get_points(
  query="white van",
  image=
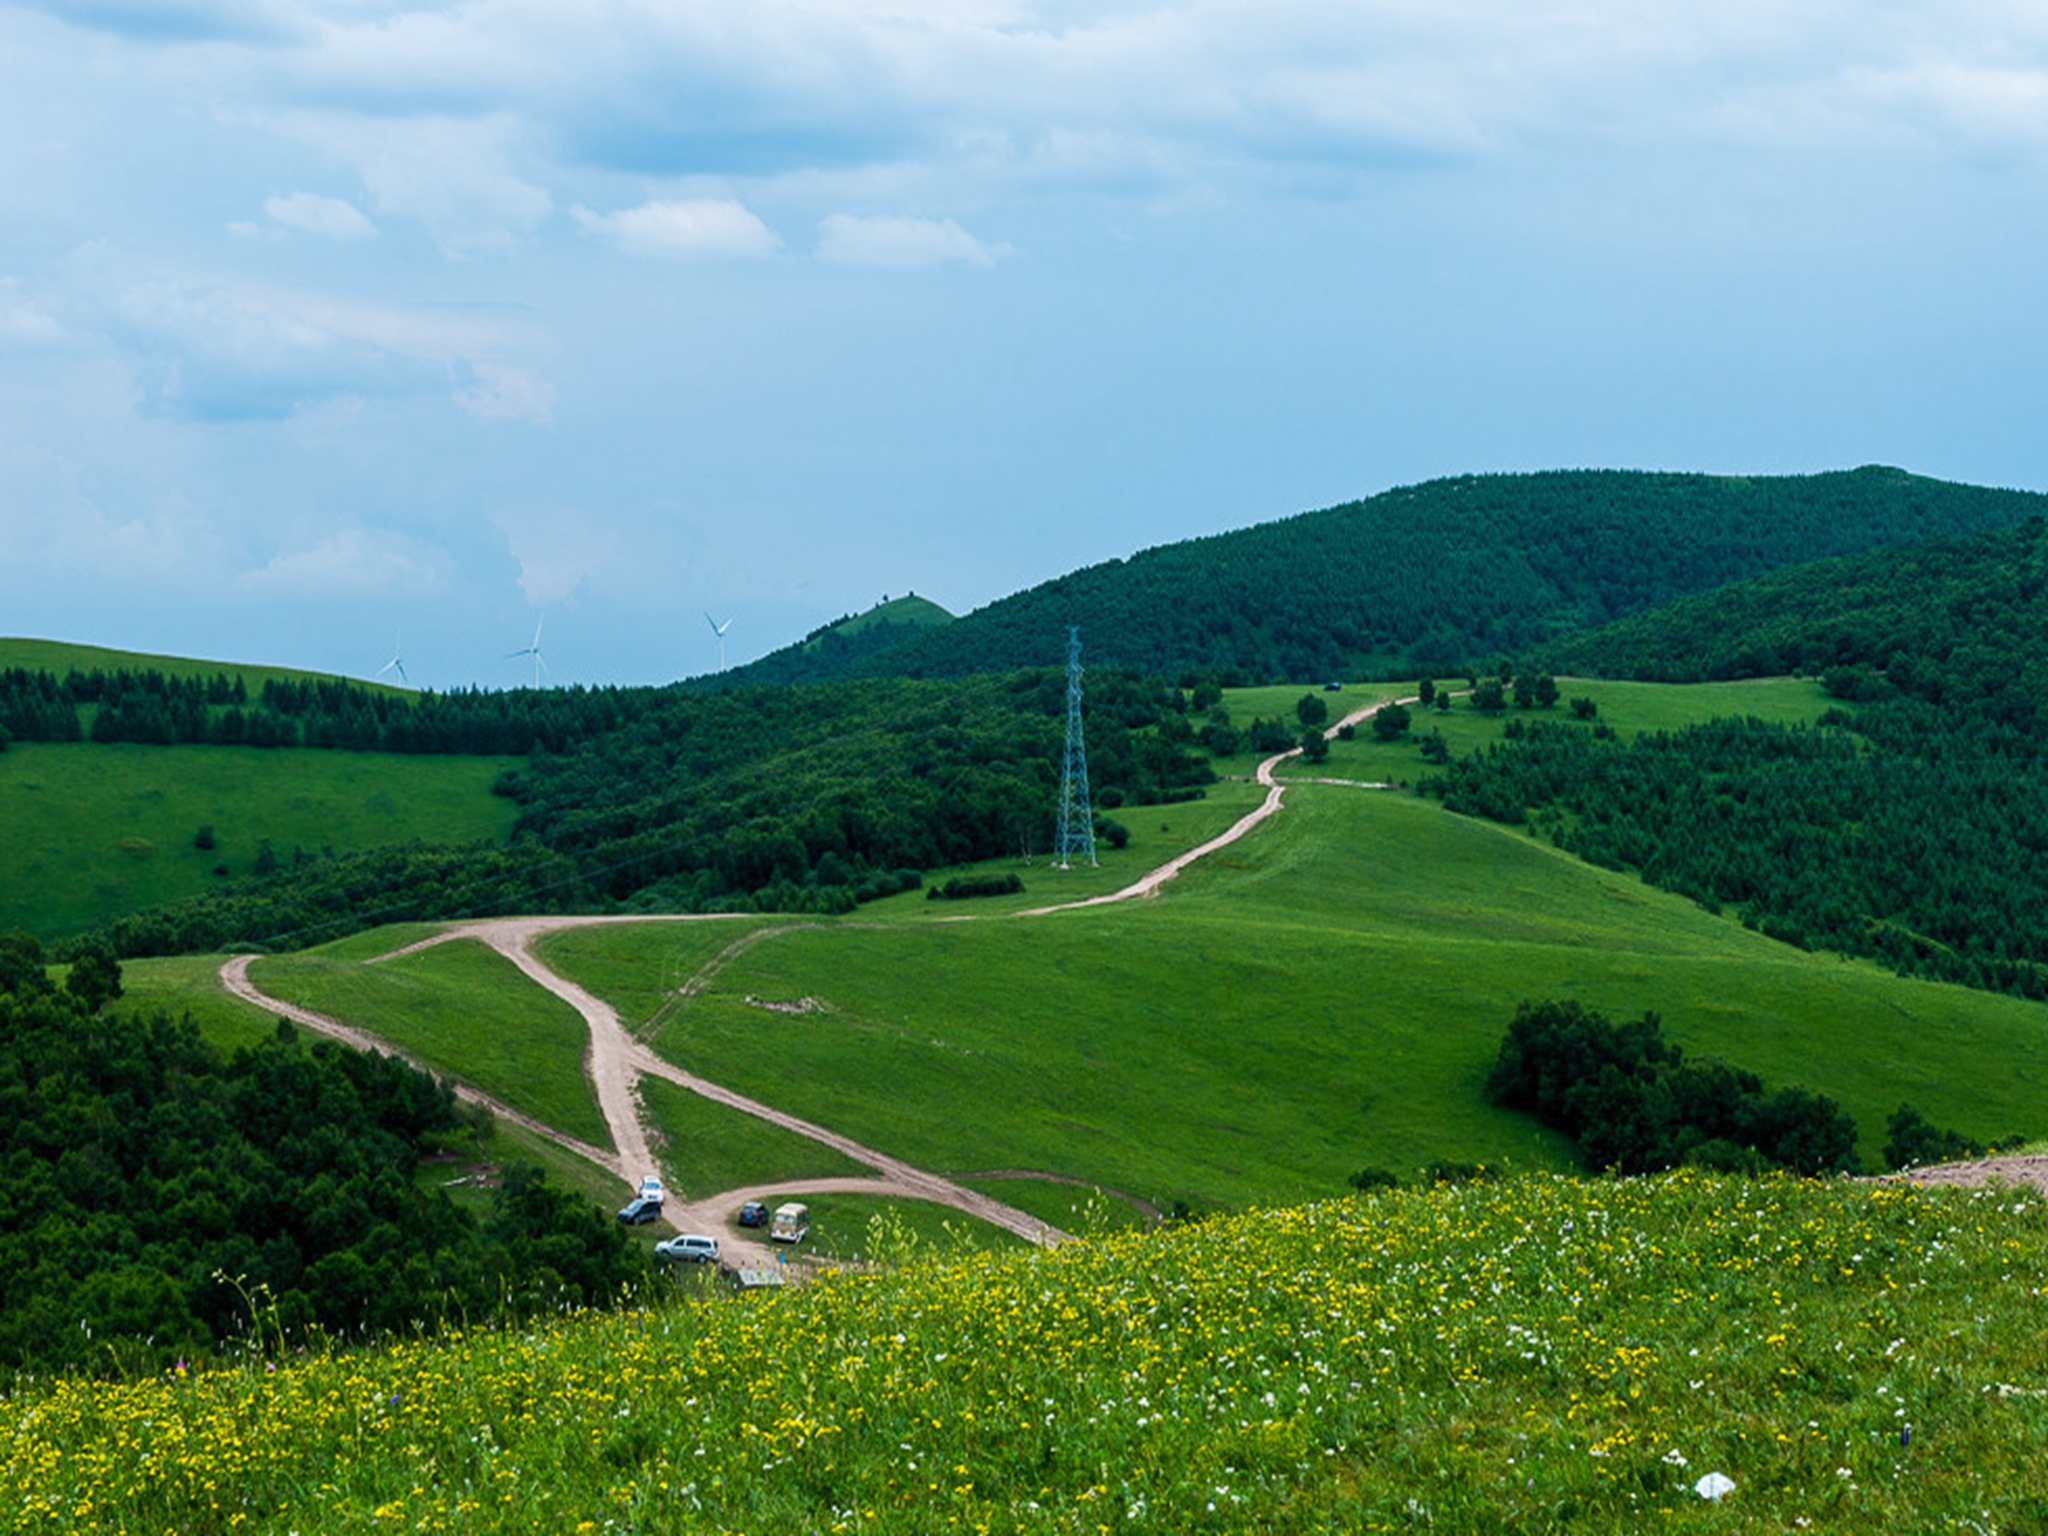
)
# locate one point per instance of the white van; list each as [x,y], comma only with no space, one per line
[791,1222]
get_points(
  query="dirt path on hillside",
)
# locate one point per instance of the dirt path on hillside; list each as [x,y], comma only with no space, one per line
[614,1062]
[1149,884]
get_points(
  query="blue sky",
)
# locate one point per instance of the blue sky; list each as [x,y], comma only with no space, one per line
[336,326]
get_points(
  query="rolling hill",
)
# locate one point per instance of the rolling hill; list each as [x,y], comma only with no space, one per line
[833,649]
[1442,577]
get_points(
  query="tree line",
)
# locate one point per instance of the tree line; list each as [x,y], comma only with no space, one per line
[1633,1102]
[158,1194]
[794,800]
[1907,826]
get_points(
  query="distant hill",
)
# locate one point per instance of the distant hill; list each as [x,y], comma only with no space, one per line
[832,650]
[59,657]
[1441,577]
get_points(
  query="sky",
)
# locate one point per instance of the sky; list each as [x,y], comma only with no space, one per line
[345,330]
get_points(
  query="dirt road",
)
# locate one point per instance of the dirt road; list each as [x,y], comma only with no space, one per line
[1149,884]
[614,1063]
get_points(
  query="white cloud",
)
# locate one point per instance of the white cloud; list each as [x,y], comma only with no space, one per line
[331,218]
[474,183]
[557,551]
[24,322]
[225,352]
[501,392]
[903,243]
[354,562]
[696,227]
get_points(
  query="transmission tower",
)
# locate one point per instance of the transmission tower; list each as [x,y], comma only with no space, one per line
[1076,832]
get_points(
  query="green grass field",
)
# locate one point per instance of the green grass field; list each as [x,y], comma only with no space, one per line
[190,984]
[1324,997]
[61,656]
[464,1010]
[706,1147]
[89,831]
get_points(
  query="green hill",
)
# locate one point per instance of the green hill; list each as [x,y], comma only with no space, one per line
[61,656]
[833,649]
[1441,577]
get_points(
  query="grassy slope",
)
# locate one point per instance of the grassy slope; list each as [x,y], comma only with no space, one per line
[87,831]
[60,656]
[462,1009]
[1325,997]
[1326,1000]
[1542,1355]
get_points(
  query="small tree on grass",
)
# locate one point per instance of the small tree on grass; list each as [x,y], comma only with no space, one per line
[1389,721]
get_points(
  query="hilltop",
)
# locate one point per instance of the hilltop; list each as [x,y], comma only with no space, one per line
[1442,577]
[832,650]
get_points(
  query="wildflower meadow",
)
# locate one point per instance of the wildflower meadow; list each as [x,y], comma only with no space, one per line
[1529,1354]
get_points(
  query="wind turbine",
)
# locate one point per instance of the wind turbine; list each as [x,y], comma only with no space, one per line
[397,661]
[533,650]
[719,630]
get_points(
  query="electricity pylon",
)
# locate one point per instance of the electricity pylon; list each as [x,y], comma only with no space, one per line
[1076,831]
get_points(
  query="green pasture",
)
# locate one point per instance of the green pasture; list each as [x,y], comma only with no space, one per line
[463,1010]
[1326,996]
[89,831]
[1630,708]
[61,656]
[190,984]
[1080,1210]
[706,1147]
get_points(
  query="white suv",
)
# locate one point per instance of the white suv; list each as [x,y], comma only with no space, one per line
[689,1248]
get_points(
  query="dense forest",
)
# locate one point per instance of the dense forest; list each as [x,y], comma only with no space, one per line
[1909,826]
[158,1195]
[1443,577]
[798,799]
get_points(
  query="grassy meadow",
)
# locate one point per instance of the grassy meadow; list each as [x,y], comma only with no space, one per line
[463,1009]
[1533,1355]
[61,656]
[90,830]
[1324,997]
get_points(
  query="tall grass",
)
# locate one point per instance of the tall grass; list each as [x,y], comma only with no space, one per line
[1542,1354]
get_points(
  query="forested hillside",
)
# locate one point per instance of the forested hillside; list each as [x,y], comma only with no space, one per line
[1442,577]
[154,1190]
[832,650]
[793,799]
[1910,826]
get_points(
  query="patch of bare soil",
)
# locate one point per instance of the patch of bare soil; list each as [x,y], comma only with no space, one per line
[2030,1172]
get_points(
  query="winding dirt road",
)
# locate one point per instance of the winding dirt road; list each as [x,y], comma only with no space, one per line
[614,1061]
[1149,884]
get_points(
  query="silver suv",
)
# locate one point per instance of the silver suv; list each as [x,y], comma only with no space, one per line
[688,1248]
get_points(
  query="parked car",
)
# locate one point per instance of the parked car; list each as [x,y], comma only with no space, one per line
[650,1187]
[640,1209]
[688,1248]
[754,1214]
[792,1221]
